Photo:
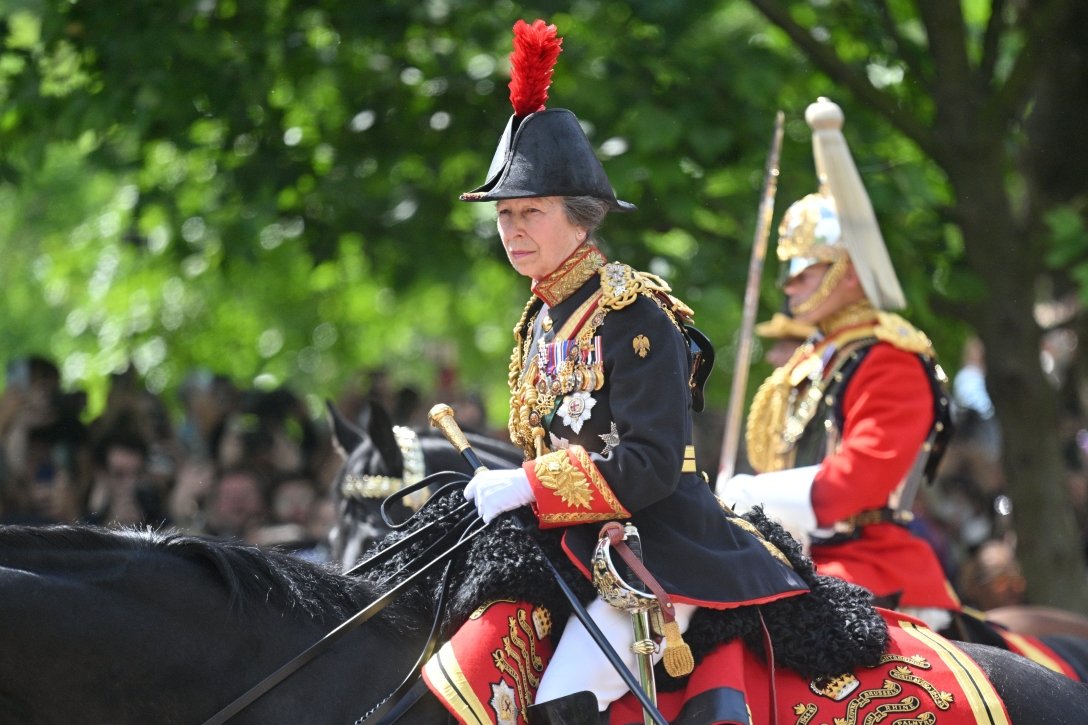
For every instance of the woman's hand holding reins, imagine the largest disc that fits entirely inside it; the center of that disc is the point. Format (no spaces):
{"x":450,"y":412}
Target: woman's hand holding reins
{"x":497,"y":491}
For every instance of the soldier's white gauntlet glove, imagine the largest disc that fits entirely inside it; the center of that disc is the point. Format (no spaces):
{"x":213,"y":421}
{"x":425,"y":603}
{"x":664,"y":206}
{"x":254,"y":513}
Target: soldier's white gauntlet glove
{"x":498,"y":491}
{"x":786,"y":496}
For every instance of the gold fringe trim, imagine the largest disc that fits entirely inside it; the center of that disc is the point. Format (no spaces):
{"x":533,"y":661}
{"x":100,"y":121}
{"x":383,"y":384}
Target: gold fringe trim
{"x":678,"y":658}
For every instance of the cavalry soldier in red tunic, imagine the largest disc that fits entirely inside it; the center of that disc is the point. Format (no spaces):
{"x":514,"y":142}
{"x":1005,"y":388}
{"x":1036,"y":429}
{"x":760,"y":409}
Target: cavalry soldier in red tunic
{"x":845,"y":432}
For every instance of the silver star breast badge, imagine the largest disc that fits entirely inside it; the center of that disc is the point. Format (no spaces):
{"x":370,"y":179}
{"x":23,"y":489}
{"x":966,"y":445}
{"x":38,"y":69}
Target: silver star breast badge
{"x":575,"y":410}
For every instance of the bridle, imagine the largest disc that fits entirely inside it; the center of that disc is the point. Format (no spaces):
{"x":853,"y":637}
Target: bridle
{"x":369,"y":487}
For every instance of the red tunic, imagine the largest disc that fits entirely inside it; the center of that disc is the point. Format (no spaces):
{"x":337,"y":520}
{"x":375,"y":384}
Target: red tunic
{"x":887,"y":414}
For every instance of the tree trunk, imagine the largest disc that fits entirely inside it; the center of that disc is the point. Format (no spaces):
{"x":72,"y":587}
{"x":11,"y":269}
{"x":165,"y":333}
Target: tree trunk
{"x":1004,"y":246}
{"x":1026,"y":403}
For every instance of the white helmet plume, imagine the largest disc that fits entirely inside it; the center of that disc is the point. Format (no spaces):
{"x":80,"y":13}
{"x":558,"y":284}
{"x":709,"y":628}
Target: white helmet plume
{"x":860,"y":232}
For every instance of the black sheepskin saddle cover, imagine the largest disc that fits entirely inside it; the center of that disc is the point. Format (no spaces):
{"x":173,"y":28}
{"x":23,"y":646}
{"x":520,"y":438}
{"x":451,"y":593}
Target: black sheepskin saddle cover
{"x":831,"y":630}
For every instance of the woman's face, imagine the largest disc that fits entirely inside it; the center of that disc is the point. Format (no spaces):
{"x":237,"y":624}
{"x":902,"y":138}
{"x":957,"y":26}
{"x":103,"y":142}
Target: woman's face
{"x":536,"y":234}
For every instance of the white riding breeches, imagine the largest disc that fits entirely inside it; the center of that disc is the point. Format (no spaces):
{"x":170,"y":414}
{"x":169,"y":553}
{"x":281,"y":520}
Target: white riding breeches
{"x":578,"y":664}
{"x":937,"y":619}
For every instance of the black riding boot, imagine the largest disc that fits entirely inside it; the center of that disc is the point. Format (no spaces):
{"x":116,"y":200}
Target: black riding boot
{"x":577,"y":709}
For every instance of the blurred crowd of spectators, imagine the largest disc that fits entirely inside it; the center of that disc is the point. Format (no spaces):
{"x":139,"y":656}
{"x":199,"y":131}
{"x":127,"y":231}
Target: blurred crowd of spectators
{"x":218,"y":460}
{"x":225,"y":461}
{"x":967,"y":514}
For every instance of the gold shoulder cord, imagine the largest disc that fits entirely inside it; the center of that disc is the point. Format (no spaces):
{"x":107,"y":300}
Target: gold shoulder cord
{"x":521,"y":432}
{"x":621,"y":285}
{"x":764,"y":434}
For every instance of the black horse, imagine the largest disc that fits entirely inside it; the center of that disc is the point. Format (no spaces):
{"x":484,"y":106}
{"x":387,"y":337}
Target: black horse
{"x":380,"y":459}
{"x":129,"y":628}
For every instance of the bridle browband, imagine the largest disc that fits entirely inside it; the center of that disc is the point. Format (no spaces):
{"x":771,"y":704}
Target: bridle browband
{"x":369,"y":487}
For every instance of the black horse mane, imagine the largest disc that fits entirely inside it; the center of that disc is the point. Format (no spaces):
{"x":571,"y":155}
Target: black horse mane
{"x":254,"y":577}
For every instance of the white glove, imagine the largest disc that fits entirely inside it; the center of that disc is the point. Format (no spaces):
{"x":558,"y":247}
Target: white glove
{"x":498,"y":491}
{"x":786,"y":496}
{"x":733,"y":490}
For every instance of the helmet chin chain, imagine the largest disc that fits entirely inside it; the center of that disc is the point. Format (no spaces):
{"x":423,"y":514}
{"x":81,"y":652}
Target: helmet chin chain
{"x":830,"y":281}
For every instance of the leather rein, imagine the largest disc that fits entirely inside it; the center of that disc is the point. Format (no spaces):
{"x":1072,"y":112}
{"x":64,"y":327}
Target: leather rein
{"x":464,"y":529}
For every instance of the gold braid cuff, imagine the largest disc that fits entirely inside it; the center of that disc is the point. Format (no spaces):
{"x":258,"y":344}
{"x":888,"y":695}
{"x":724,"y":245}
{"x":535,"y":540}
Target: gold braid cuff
{"x":571,"y":490}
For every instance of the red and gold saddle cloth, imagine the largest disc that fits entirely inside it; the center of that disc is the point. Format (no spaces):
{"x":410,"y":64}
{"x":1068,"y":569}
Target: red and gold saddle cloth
{"x":1040,"y":652}
{"x":490,"y":669}
{"x":921,"y":679}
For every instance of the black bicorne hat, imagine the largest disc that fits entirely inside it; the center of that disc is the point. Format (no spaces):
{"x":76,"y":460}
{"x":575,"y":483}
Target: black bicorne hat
{"x":548,"y":155}
{"x":542,"y":152}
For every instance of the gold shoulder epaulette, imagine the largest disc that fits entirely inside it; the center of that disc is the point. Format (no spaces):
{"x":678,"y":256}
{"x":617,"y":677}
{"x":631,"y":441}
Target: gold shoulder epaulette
{"x":895,"y":330}
{"x":621,"y":285}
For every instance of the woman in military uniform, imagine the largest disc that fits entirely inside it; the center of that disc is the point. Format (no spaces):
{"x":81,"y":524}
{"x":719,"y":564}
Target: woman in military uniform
{"x":603,"y":378}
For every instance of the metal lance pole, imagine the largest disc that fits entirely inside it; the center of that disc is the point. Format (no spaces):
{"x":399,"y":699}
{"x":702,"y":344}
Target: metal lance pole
{"x":731,"y":436}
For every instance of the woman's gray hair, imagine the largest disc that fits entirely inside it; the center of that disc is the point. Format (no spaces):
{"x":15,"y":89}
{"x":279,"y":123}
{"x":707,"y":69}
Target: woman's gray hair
{"x":585,"y":211}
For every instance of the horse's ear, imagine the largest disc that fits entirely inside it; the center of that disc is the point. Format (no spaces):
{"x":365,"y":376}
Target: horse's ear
{"x":379,"y":426}
{"x":346,"y":437}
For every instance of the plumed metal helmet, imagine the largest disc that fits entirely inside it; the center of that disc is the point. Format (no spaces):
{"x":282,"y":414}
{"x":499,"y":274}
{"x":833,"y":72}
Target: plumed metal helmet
{"x":838,"y":221}
{"x":542,"y":152}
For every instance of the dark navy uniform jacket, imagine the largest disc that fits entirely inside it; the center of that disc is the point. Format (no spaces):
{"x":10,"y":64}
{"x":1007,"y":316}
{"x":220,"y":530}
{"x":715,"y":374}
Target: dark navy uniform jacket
{"x":601,"y":402}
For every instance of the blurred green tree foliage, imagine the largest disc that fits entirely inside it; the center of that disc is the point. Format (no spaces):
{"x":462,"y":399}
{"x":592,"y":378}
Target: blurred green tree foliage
{"x":269,"y":188}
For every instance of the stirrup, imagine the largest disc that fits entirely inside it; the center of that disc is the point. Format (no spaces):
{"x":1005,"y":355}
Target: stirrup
{"x":579,"y":708}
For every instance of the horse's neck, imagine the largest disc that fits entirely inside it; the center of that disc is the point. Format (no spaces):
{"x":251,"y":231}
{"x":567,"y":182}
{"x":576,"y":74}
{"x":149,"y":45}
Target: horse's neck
{"x":70,"y":614}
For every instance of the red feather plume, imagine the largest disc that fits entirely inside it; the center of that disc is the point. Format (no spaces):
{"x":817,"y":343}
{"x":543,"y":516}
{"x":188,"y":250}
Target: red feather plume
{"x":536,"y":48}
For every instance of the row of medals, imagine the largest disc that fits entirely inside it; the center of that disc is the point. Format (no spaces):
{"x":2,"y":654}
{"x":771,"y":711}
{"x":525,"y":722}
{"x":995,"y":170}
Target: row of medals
{"x":571,"y":375}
